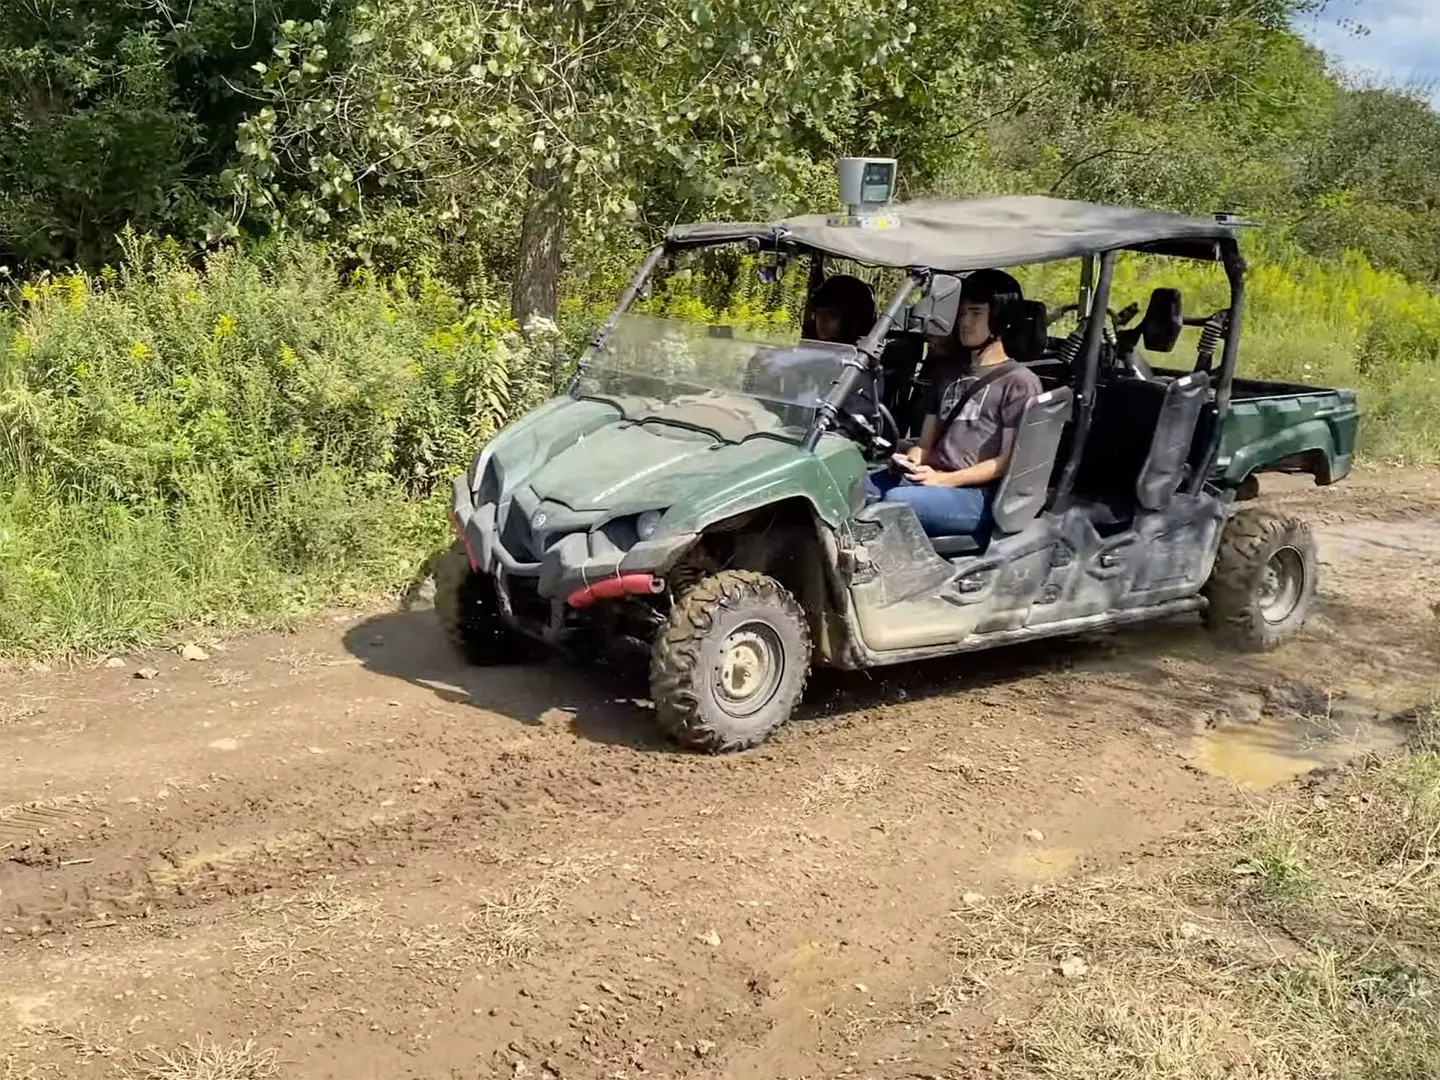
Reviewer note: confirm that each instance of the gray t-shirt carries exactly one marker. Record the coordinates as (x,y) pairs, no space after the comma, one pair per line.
(986,426)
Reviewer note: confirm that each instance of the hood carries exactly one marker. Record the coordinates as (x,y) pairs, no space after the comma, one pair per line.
(627,468)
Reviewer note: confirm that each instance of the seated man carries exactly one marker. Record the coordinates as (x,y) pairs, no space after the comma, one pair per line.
(949,477)
(842,310)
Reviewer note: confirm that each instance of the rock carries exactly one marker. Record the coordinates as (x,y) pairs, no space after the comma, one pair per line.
(710,938)
(703,1048)
(1190,931)
(971,899)
(147,673)
(115,662)
(862,988)
(193,652)
(1035,836)
(1072,967)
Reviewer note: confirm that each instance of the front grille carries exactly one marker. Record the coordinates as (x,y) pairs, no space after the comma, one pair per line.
(515,535)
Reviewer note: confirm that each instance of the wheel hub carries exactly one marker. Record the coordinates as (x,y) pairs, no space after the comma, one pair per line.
(1282,583)
(749,670)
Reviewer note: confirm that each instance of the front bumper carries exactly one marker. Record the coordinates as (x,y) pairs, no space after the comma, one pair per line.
(570,561)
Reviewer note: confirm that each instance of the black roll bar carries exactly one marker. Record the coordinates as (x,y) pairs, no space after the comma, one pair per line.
(1085,390)
(867,357)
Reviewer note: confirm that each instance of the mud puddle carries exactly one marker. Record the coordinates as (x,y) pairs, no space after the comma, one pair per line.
(1278,749)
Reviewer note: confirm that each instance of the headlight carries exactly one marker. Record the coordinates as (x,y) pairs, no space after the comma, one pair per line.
(647,523)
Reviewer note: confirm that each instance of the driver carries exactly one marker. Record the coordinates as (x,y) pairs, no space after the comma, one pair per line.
(950,476)
(841,310)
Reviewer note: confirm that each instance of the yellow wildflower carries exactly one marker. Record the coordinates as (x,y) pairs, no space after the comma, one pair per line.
(139,351)
(224,327)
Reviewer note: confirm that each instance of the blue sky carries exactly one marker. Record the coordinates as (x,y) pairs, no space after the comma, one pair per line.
(1402,46)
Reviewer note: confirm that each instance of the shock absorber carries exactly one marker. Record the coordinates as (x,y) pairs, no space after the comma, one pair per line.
(1212,333)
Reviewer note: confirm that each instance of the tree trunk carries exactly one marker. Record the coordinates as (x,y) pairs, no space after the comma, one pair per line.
(536,288)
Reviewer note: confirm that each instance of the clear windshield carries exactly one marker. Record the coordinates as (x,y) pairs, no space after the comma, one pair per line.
(712,377)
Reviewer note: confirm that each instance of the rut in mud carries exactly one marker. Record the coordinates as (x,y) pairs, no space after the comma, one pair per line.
(363,860)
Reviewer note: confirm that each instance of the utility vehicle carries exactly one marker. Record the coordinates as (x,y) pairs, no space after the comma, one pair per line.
(697,494)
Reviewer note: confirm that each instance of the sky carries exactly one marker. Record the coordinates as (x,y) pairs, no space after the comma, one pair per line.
(1402,45)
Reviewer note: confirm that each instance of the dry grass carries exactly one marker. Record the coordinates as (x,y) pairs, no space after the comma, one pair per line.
(1306,944)
(297,929)
(844,784)
(505,926)
(301,660)
(206,1061)
(228,677)
(12,712)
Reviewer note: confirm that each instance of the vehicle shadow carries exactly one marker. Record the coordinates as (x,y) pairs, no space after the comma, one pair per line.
(607,704)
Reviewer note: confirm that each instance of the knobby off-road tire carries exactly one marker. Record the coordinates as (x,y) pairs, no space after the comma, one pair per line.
(1263,585)
(730,664)
(469,612)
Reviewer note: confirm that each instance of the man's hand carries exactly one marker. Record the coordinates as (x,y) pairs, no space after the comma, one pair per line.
(916,454)
(931,477)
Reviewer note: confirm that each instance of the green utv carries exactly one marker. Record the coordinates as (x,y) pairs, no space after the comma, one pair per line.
(697,494)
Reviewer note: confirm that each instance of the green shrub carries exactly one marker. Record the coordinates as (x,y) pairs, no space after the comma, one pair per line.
(238,441)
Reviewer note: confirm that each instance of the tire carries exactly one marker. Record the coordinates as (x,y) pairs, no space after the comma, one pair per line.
(469,612)
(699,661)
(1262,587)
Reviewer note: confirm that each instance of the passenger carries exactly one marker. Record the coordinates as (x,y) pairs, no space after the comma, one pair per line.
(842,310)
(950,476)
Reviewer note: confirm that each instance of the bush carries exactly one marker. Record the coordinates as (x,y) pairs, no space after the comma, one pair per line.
(238,441)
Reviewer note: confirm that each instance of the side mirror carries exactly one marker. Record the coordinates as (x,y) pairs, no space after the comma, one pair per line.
(1164,319)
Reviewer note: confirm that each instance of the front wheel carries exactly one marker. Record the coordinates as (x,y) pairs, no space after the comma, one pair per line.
(730,664)
(1263,585)
(468,608)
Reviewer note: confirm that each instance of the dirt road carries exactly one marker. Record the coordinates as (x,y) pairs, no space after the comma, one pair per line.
(362,860)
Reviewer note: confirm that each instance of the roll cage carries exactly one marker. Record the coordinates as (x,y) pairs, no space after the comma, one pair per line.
(960,236)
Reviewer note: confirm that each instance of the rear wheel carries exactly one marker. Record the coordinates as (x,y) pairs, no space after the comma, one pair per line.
(730,664)
(1263,585)
(468,608)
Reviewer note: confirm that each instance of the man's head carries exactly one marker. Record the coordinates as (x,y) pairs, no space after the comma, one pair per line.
(841,310)
(988,302)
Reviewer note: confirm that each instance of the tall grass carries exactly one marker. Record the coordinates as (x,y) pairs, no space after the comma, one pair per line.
(243,439)
(234,442)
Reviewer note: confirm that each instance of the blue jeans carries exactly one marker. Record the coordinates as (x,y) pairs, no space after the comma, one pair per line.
(942,511)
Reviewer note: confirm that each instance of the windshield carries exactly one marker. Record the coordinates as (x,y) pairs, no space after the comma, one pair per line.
(712,377)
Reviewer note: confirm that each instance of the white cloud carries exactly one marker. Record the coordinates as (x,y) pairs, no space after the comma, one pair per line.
(1402,46)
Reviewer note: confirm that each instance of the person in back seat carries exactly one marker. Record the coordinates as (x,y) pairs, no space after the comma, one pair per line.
(842,310)
(949,477)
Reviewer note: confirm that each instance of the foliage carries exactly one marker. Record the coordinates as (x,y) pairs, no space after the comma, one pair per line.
(241,440)
(424,135)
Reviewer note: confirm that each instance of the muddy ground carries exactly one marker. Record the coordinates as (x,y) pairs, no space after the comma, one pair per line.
(362,860)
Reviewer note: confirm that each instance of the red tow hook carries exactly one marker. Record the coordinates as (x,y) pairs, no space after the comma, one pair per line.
(610,588)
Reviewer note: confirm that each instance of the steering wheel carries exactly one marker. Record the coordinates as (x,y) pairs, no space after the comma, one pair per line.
(860,428)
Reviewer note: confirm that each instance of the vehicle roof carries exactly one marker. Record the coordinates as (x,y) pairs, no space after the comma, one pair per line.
(959,235)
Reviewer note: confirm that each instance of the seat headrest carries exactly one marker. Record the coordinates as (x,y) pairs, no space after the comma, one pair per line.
(1028,333)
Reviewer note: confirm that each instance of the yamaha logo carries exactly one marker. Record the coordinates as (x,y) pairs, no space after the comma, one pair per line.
(539,520)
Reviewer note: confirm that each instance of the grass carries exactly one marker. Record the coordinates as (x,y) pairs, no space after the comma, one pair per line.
(206,1061)
(1303,944)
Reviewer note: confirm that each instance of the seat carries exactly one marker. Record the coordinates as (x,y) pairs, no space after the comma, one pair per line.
(1167,465)
(1126,411)
(1025,488)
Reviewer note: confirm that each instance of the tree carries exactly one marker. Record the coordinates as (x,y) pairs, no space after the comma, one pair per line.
(536,118)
